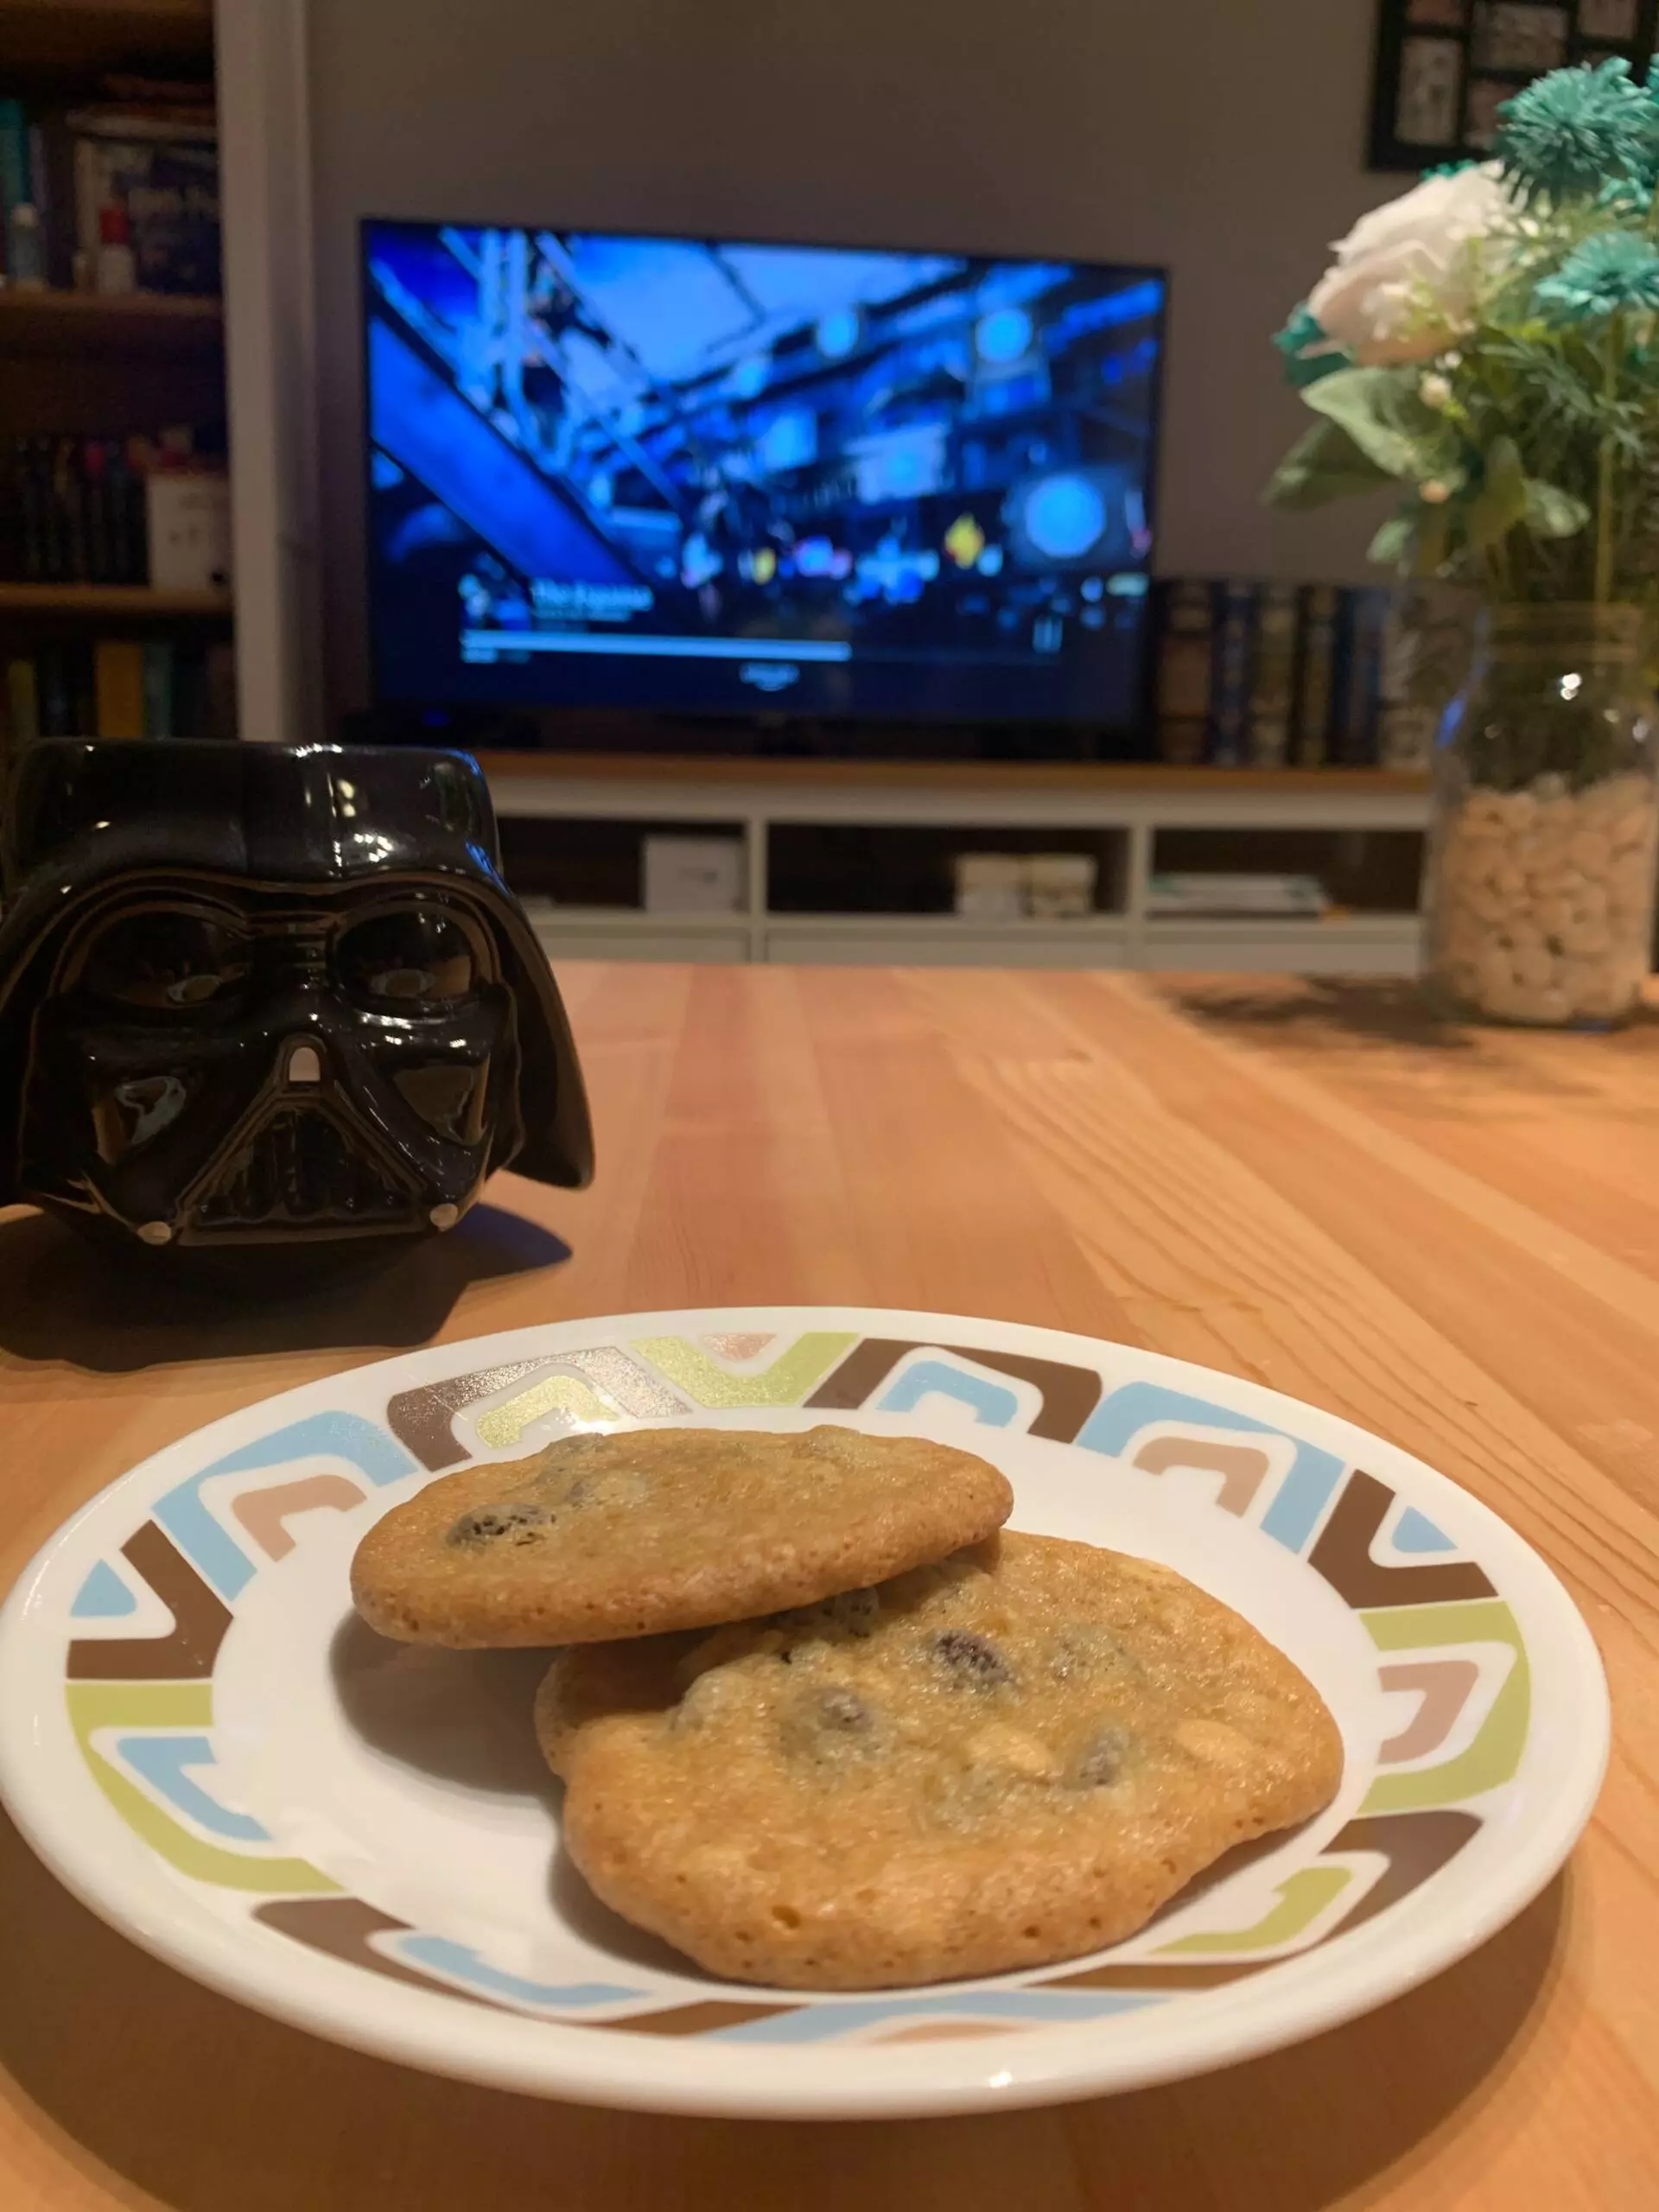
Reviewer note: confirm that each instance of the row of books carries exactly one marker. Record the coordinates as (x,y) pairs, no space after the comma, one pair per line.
(1276,675)
(118,687)
(76,510)
(119,196)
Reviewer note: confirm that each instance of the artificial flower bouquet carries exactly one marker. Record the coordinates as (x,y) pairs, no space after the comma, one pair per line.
(1490,343)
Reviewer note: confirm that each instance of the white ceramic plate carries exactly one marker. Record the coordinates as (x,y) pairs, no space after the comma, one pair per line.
(199,1738)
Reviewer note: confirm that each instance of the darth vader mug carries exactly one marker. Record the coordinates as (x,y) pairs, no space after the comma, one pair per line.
(270,995)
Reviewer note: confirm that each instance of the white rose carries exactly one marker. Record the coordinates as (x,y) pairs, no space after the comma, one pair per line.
(1407,278)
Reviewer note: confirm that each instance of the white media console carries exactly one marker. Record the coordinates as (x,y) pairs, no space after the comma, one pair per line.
(1136,806)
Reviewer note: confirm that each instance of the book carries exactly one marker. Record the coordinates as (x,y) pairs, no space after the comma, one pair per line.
(1315,676)
(1273,679)
(159,659)
(118,668)
(22,700)
(101,550)
(82,691)
(189,696)
(75,510)
(128,461)
(70,486)
(1359,677)
(56,695)
(166,188)
(1214,894)
(13,161)
(1185,658)
(1237,603)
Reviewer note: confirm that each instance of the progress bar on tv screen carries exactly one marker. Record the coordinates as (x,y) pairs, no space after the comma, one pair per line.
(485,644)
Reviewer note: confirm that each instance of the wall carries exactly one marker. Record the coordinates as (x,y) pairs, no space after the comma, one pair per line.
(1225,140)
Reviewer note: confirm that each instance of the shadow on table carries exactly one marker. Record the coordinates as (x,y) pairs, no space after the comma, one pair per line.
(67,1299)
(212,2109)
(1342,1010)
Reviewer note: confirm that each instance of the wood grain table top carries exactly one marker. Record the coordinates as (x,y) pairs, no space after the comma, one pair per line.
(1452,1239)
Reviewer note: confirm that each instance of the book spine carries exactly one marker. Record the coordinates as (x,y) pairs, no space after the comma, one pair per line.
(1316,676)
(1186,666)
(118,666)
(54,513)
(1273,687)
(1230,711)
(100,554)
(14,527)
(1364,615)
(23,700)
(14,162)
(31,512)
(82,691)
(57,702)
(159,690)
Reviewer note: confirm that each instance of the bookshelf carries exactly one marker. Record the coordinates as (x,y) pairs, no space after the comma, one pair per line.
(75,39)
(89,380)
(50,324)
(127,602)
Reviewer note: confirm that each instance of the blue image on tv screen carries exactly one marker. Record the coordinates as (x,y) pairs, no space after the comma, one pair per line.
(682,476)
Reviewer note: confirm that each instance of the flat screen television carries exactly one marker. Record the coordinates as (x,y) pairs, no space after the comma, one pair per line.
(709,482)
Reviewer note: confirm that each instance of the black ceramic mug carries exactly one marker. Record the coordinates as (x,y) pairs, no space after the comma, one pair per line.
(260,995)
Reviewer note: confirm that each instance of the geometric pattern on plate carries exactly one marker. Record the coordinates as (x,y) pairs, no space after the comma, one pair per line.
(141,1706)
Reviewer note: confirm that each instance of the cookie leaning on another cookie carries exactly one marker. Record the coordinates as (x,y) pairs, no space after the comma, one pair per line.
(1012,1757)
(626,1534)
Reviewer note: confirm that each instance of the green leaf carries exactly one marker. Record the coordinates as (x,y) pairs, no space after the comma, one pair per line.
(1551,512)
(1395,543)
(1380,411)
(1501,502)
(1323,464)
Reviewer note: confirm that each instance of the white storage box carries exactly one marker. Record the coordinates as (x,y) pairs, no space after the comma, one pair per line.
(693,876)
(1060,886)
(990,886)
(188,519)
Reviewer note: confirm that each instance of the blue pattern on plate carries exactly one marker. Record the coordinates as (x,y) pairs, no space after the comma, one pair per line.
(1303,1495)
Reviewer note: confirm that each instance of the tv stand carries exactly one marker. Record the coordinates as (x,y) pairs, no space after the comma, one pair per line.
(1360,829)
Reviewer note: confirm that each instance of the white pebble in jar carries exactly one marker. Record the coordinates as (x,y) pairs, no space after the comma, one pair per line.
(1544,899)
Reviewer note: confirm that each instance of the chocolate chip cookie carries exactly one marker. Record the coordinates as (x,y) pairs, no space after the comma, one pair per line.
(626,1534)
(1013,1757)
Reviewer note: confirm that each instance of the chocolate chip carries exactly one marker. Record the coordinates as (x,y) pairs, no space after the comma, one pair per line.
(855,1611)
(829,1724)
(487,1524)
(841,1710)
(1102,1762)
(972,1658)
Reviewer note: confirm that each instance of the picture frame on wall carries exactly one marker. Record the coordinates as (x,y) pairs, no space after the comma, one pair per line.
(1445,67)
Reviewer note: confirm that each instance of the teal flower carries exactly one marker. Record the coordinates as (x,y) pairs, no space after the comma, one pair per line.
(1569,134)
(1624,197)
(1608,273)
(1309,352)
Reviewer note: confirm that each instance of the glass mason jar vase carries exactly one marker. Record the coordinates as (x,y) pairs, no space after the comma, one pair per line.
(1540,899)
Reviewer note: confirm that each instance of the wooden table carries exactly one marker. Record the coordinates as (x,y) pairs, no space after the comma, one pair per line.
(1451,1239)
